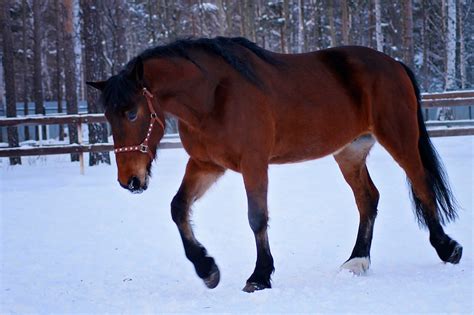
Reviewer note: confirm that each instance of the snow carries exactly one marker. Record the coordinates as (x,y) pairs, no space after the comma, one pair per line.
(72,243)
(206,6)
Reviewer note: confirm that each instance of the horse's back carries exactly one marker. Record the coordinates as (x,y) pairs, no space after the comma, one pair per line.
(326,99)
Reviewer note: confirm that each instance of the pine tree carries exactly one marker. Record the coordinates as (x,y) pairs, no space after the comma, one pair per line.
(9,68)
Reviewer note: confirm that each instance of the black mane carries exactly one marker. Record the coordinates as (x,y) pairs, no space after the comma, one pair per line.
(223,47)
(120,89)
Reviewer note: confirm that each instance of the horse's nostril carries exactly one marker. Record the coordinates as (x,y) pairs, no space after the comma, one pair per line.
(134,183)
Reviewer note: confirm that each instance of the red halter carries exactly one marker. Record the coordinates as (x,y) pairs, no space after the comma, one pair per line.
(143,147)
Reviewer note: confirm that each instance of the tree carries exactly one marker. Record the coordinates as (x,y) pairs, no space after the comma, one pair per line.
(285,36)
(378,26)
(25,26)
(345,22)
(70,70)
(462,45)
(446,113)
(37,65)
(450,77)
(408,54)
(9,68)
(302,45)
(94,70)
(332,25)
(59,51)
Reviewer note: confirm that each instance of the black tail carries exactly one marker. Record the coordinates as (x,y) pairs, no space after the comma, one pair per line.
(436,175)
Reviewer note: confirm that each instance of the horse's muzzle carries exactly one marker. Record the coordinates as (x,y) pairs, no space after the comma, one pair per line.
(134,185)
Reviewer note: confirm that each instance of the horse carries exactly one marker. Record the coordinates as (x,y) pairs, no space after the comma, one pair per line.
(241,107)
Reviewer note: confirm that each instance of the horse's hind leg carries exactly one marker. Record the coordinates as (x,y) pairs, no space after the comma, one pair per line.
(432,198)
(197,180)
(351,161)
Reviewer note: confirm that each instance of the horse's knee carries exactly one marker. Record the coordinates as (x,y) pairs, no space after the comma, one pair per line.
(179,208)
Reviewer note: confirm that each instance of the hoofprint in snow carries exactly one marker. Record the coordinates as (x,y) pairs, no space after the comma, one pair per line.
(72,243)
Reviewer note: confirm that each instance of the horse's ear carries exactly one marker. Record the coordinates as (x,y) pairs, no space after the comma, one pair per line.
(100,85)
(135,73)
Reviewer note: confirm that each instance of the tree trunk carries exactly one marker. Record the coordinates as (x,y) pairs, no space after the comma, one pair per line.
(286,26)
(446,113)
(345,22)
(450,82)
(202,21)
(319,26)
(242,19)
(425,43)
(224,18)
(94,70)
(25,26)
(332,26)
(301,28)
(151,25)
(462,45)
(378,26)
(250,18)
(70,71)
(9,68)
(59,81)
(408,55)
(37,64)
(120,30)
(371,25)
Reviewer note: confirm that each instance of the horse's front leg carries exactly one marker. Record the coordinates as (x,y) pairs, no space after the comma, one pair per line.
(256,183)
(197,180)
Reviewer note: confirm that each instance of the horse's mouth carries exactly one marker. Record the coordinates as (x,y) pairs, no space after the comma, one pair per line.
(135,185)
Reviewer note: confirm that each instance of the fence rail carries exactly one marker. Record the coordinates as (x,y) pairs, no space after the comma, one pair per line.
(52,120)
(448,99)
(429,100)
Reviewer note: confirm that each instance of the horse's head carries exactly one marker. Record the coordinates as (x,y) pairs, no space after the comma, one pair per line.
(137,123)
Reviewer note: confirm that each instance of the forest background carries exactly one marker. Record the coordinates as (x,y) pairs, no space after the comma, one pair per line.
(51,47)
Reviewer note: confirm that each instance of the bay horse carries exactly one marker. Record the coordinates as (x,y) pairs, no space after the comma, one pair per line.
(241,107)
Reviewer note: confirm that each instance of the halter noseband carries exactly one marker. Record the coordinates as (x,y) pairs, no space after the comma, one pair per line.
(143,147)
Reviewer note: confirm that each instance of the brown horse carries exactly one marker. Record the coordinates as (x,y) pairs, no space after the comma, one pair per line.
(241,107)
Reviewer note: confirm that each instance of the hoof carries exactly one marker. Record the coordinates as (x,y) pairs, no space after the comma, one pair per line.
(357,265)
(253,286)
(213,280)
(455,255)
(448,250)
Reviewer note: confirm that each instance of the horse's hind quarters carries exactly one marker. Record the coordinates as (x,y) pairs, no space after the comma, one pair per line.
(135,185)
(357,265)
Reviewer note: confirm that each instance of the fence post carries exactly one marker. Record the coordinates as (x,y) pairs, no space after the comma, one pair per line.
(81,154)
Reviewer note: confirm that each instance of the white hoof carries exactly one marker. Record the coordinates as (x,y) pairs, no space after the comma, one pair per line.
(357,265)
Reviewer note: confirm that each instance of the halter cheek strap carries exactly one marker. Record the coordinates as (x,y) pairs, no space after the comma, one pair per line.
(143,147)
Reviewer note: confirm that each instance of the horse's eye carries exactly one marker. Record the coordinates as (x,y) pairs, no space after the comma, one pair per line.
(132,114)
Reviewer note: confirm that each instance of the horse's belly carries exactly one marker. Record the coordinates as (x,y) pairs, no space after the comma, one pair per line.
(305,153)
(310,145)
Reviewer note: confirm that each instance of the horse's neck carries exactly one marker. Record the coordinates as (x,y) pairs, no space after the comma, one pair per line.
(184,91)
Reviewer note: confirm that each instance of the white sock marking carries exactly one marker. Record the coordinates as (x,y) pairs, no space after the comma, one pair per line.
(357,265)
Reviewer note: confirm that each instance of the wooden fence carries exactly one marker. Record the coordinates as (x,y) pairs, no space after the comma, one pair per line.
(435,128)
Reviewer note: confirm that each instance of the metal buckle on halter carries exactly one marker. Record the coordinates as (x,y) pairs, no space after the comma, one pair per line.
(153,115)
(146,92)
(143,148)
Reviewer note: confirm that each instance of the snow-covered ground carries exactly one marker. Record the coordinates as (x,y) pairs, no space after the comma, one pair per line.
(72,243)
